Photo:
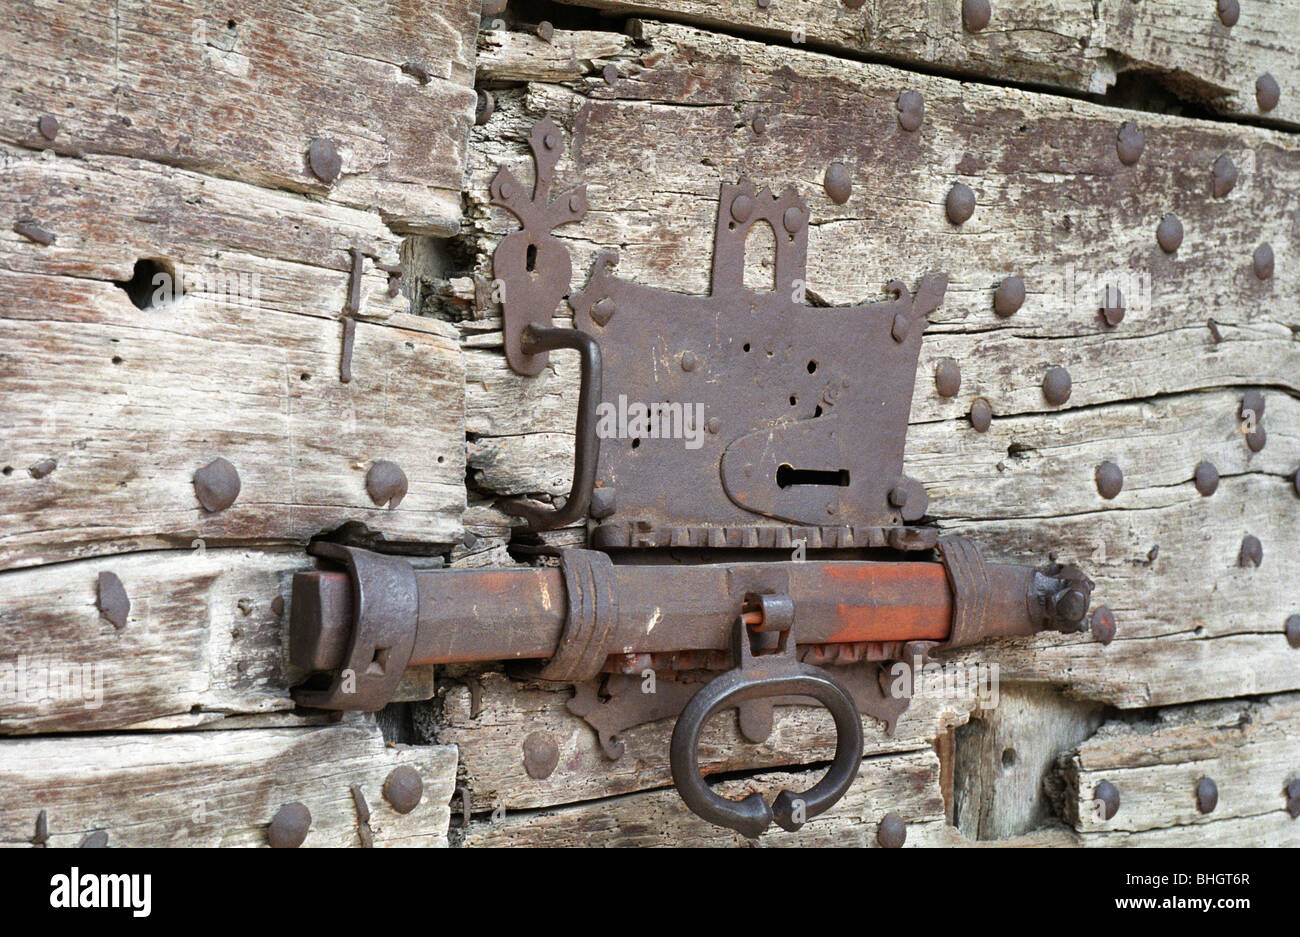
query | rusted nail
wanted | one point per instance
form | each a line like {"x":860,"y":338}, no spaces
{"x":981,"y":415}
{"x":465,"y":805}
{"x":95,"y":840}
{"x":48,"y":126}
{"x":1229,"y":11}
{"x":892,"y":832}
{"x":947,"y":377}
{"x":277,"y":606}
{"x":603,"y":503}
{"x":345,"y":354}
{"x":1056,"y":385}
{"x":975,"y":14}
{"x":475,"y":696}
{"x":359,"y":800}
{"x":759,"y":124}
{"x":610,"y":74}
{"x":42,"y":829}
{"x":689,"y":361}
{"x":324,"y":160}
{"x":960,"y":203}
{"x":403,"y":788}
{"x":1256,"y":438}
{"x":112,"y":602}
{"x":416,"y":71}
{"x":386,"y":483}
{"x":794,"y":219}
{"x":1110,"y":480}
{"x":289,"y":826}
{"x":545,"y":31}
{"x":1153,"y":553}
{"x":1252,"y":551}
{"x":1103,"y":625}
{"x":354,"y":281}
{"x":494,"y":7}
{"x":1267,"y":92}
{"x":1169,"y":233}
{"x":1112,"y":305}
{"x":1129,"y":143}
{"x":485,"y":107}
{"x":838,"y":184}
{"x":540,"y":755}
{"x":1009,"y":296}
{"x":1207,"y":795}
{"x":1263,"y":261}
{"x":42,"y":468}
{"x":1107,"y":796}
{"x":1292,"y":630}
{"x":1206,"y":478}
{"x":1215,"y":334}
{"x":911,"y":110}
{"x":216,"y":485}
{"x":1223,"y":176}
{"x":1292,"y":792}
{"x":34,"y":232}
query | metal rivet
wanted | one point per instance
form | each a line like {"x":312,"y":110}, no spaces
{"x":1292,"y":630}
{"x":1252,"y":551}
{"x":742,"y":207}
{"x":1103,"y":625}
{"x":602,"y":311}
{"x":1256,"y":438}
{"x":324,"y":160}
{"x":763,"y":4}
{"x":911,"y":110}
{"x":1207,"y":795}
{"x":386,"y":483}
{"x":1107,"y":795}
{"x":216,"y":485}
{"x":1223,"y":176}
{"x":1009,"y":296}
{"x":960,"y":203}
{"x":603,"y":503}
{"x":494,"y":7}
{"x":981,"y":415}
{"x":838,"y":184}
{"x":541,"y":755}
{"x":689,"y":361}
{"x":1169,"y":233}
{"x":277,"y":606}
{"x":1263,"y":261}
{"x":289,"y":826}
{"x":1110,"y":480}
{"x":42,"y":468}
{"x":610,"y":74}
{"x":1267,"y":92}
{"x":545,"y":30}
{"x":42,"y":829}
{"x":95,"y":840}
{"x":793,"y":219}
{"x":1295,"y":481}
{"x":487,"y":105}
{"x":1056,"y":385}
{"x":714,"y":425}
{"x":975,"y":14}
{"x":892,"y":832}
{"x":1215,"y":334}
{"x":551,"y":140}
{"x":578,"y":203}
{"x":1292,"y":793}
{"x":947,"y":377}
{"x":34,"y":232}
{"x":759,"y":124}
{"x":1129,"y":143}
{"x":1153,"y":553}
{"x":1229,"y":12}
{"x":112,"y":600}
{"x":470,"y":540}
{"x":48,"y":126}
{"x":403,"y":788}
{"x":1206,"y":478}
{"x":1112,"y":305}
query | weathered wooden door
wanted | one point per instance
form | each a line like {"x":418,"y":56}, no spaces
{"x":249,"y":302}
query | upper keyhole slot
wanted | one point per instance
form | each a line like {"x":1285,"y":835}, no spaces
{"x":787,"y":475}
{"x":530,"y":260}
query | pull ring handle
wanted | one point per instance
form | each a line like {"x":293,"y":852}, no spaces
{"x":586,"y":445}
{"x":779,"y":674}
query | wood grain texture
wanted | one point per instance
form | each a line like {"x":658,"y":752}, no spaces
{"x":1076,"y":46}
{"x":1247,"y":747}
{"x":243,"y":94}
{"x":218,"y":788}
{"x":130,"y":402}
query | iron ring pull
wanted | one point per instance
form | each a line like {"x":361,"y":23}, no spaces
{"x":778,"y":674}
{"x":586,"y":446}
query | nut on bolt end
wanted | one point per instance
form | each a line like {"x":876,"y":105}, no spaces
{"x":1063,"y":593}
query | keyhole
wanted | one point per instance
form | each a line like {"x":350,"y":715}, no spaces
{"x":787,"y":475}
{"x":532,"y":258}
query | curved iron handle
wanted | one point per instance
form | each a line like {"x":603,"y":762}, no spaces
{"x":586,"y":446}
{"x":772,"y":675}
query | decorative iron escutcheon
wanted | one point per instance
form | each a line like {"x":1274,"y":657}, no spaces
{"x":776,"y":561}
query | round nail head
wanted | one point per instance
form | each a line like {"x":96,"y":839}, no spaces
{"x":975,"y":14}
{"x":1103,"y":625}
{"x":1107,"y":797}
{"x":386,"y":483}
{"x":793,"y":219}
{"x":1169,"y":233}
{"x":324,"y":160}
{"x":1223,"y":176}
{"x":960,"y":203}
{"x":541,"y":755}
{"x":1229,"y":12}
{"x":1262,"y":261}
{"x":1206,"y":478}
{"x":1267,"y":92}
{"x":1110,"y":480}
{"x":947,"y":377}
{"x":911,"y":110}
{"x":1252,"y":551}
{"x":403,"y":788}
{"x":1207,"y":795}
{"x":1056,"y":385}
{"x":892,"y":832}
{"x":216,"y":485}
{"x":838,"y":184}
{"x":981,"y":415}
{"x":1129,"y":143}
{"x":1292,"y":629}
{"x":1009,"y":296}
{"x":289,"y":826}
{"x":1112,"y":305}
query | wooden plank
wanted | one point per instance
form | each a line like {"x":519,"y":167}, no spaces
{"x":1068,"y":45}
{"x":490,"y":740}
{"x":131,"y":402}
{"x":1247,"y":747}
{"x":218,"y":788}
{"x":244,"y":95}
